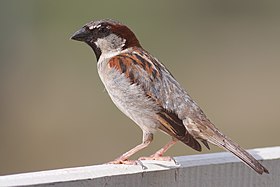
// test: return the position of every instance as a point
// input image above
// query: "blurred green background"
(54, 112)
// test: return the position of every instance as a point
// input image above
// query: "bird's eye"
(104, 29)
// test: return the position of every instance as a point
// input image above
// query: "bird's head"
(106, 36)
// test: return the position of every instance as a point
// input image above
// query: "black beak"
(81, 35)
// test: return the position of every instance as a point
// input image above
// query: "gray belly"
(131, 99)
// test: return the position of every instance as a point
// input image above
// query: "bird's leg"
(123, 159)
(159, 153)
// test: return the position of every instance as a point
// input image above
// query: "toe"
(115, 162)
(153, 157)
(120, 161)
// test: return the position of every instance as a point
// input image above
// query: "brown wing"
(173, 126)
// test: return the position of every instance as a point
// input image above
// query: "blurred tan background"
(54, 112)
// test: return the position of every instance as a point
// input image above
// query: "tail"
(226, 143)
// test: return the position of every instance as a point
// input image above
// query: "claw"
(120, 161)
(128, 162)
(157, 157)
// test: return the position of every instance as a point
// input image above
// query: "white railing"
(213, 170)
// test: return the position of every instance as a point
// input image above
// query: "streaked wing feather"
(173, 126)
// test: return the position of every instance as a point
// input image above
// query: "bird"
(146, 92)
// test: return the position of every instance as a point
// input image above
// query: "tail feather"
(238, 151)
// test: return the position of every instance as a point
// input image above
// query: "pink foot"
(157, 157)
(128, 162)
(121, 161)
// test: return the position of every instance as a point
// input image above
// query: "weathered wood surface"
(205, 170)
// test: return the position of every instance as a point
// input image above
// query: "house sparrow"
(144, 90)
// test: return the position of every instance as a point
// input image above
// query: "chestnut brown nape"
(124, 32)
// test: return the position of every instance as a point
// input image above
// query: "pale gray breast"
(129, 98)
